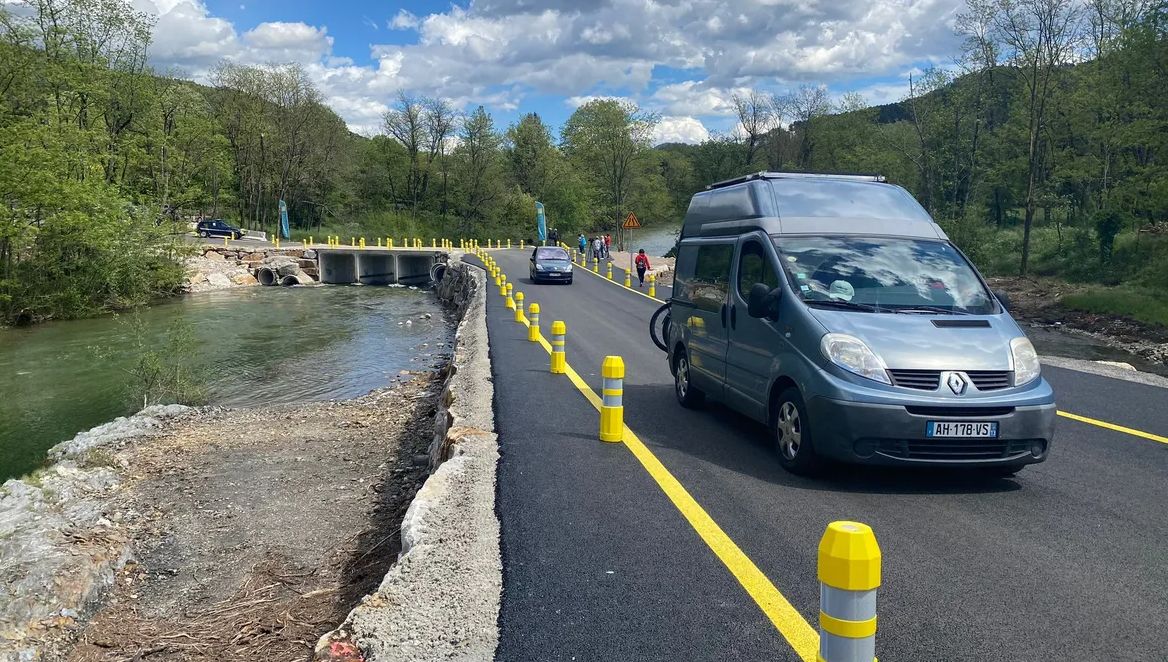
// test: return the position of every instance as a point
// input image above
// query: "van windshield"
(888, 274)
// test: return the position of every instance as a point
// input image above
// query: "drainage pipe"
(266, 276)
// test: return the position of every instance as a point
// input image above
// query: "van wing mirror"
(764, 301)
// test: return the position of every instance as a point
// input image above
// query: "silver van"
(834, 309)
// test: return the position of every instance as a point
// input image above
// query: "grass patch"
(1135, 303)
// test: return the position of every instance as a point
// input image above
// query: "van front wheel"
(793, 434)
(687, 394)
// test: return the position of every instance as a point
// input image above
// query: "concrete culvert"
(266, 276)
(437, 272)
(297, 279)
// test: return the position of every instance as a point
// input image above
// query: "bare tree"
(756, 116)
(1038, 37)
(405, 122)
(803, 106)
(440, 118)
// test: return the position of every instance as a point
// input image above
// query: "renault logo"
(957, 383)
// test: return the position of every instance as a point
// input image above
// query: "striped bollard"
(498, 283)
(849, 574)
(612, 409)
(533, 322)
(522, 244)
(510, 303)
(389, 242)
(595, 266)
(352, 242)
(508, 243)
(608, 269)
(559, 359)
(519, 307)
(503, 284)
(652, 285)
(628, 279)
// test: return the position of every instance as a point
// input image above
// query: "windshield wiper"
(929, 310)
(843, 305)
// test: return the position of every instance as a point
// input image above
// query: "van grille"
(953, 449)
(929, 380)
(991, 380)
(924, 380)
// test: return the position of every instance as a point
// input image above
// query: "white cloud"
(497, 52)
(404, 21)
(680, 130)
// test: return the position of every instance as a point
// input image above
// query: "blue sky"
(683, 59)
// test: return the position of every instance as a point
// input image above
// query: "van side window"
(711, 277)
(753, 267)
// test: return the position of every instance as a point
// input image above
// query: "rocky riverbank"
(221, 268)
(1037, 302)
(223, 534)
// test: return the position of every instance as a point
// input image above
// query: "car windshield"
(551, 253)
(889, 274)
(820, 198)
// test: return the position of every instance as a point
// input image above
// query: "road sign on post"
(631, 223)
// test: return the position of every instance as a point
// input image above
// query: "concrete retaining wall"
(440, 601)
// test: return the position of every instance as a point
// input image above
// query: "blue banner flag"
(283, 219)
(540, 222)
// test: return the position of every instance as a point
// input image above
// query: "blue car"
(550, 264)
(218, 228)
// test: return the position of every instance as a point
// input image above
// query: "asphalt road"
(1066, 561)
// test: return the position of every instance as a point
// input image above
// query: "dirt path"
(256, 531)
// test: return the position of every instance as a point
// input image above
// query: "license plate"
(962, 429)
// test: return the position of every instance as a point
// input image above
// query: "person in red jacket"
(608, 246)
(642, 264)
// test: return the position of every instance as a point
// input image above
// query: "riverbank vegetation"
(1040, 150)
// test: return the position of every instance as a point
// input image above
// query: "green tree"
(603, 138)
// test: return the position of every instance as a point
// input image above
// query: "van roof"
(806, 203)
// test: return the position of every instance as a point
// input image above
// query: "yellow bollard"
(519, 307)
(379, 242)
(353, 242)
(849, 574)
(362, 244)
(503, 284)
(510, 303)
(652, 285)
(608, 269)
(508, 243)
(310, 240)
(612, 409)
(224, 242)
(521, 244)
(559, 358)
(433, 243)
(595, 266)
(628, 279)
(533, 322)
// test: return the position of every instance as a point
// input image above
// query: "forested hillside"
(1041, 149)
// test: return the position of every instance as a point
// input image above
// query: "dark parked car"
(550, 264)
(218, 228)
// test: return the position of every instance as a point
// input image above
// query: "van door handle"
(733, 316)
(723, 316)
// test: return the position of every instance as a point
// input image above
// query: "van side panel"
(699, 309)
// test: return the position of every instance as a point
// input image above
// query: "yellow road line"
(620, 285)
(782, 614)
(1113, 426)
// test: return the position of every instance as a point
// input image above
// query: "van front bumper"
(890, 434)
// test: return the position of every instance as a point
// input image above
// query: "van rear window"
(703, 274)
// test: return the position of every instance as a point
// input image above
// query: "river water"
(258, 345)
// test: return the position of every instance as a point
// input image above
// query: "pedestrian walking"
(607, 246)
(642, 264)
(583, 242)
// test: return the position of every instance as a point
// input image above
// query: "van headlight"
(851, 354)
(1026, 365)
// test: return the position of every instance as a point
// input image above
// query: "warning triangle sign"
(631, 222)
